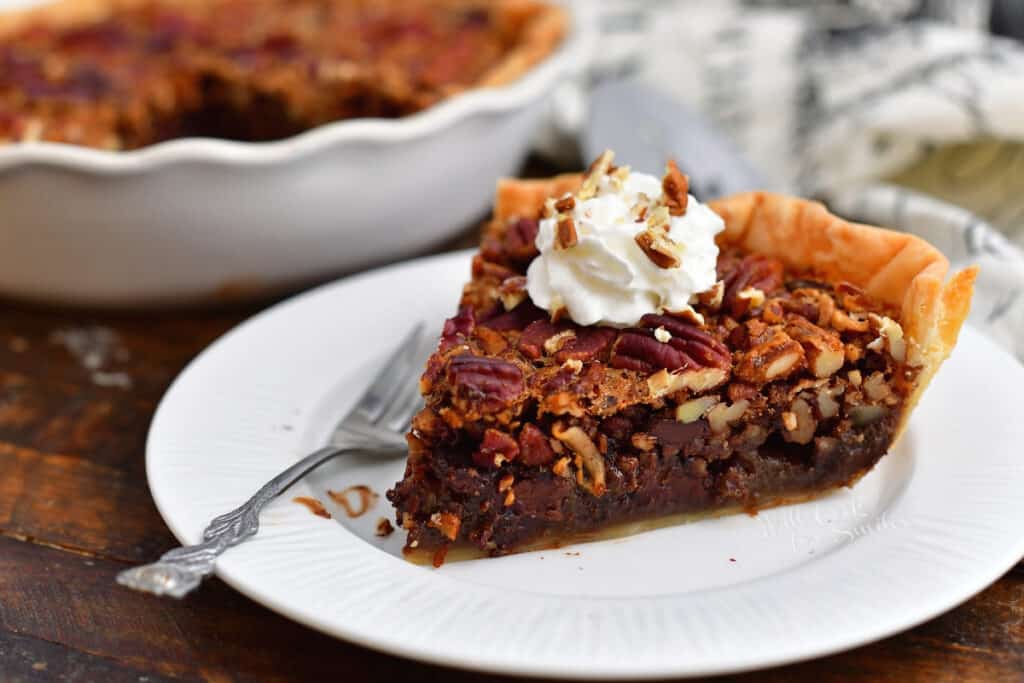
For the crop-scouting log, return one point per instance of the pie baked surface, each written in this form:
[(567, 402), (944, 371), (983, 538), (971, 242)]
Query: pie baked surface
[(122, 74), (796, 377)]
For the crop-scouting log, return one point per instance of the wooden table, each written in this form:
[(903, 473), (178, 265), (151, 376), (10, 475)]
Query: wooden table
[(75, 509)]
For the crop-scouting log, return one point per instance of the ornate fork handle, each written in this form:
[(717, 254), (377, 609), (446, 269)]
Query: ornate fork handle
[(180, 571)]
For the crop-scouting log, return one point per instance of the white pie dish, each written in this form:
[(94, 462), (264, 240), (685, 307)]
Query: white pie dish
[(200, 219)]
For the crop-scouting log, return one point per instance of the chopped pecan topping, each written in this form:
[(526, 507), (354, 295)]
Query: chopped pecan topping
[(664, 382), (565, 233), (534, 448), (658, 247), (721, 416), (852, 298), (597, 170), (590, 469), (512, 291), (753, 271), (491, 341), (447, 523), (847, 323), (773, 355), (588, 343), (555, 342), (799, 422), (565, 204), (520, 238), (675, 187), (694, 409), (824, 349), (712, 299), (875, 387), (496, 449), (890, 337), (457, 329)]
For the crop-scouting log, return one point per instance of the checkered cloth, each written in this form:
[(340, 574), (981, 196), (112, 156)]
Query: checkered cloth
[(828, 98)]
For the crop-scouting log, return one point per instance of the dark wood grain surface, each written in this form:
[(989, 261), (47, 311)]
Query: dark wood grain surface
[(75, 509)]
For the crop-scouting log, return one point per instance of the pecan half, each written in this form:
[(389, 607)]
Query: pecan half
[(534, 448), (496, 448), (487, 385), (753, 271), (689, 348), (519, 242)]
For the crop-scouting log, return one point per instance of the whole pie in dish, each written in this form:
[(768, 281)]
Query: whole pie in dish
[(121, 74), (790, 374)]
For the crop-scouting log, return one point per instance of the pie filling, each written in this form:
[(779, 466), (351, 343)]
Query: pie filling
[(255, 70), (776, 386)]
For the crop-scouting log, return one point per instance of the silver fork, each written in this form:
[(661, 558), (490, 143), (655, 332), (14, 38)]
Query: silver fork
[(375, 426)]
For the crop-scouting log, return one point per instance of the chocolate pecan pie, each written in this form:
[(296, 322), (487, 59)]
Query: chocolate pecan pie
[(121, 74), (792, 376)]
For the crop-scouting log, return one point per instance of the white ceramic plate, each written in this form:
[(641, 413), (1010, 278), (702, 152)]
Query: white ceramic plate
[(934, 523)]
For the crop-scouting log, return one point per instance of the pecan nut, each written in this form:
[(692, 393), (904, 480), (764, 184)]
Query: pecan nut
[(496, 448), (519, 242), (534, 448), (823, 348), (486, 385), (537, 334), (565, 233), (658, 247), (457, 329), (773, 355), (512, 291), (754, 271), (587, 344), (590, 469), (675, 187)]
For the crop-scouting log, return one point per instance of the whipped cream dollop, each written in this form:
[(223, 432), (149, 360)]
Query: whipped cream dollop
[(608, 274)]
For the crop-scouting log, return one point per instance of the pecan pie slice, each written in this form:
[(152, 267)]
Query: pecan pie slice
[(121, 74), (792, 376)]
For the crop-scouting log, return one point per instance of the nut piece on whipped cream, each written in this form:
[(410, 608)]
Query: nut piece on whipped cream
[(626, 244)]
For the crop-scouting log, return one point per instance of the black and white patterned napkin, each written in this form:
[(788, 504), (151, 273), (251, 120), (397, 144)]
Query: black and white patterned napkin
[(828, 98)]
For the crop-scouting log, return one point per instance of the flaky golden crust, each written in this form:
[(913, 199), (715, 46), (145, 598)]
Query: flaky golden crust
[(897, 268), (541, 26)]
